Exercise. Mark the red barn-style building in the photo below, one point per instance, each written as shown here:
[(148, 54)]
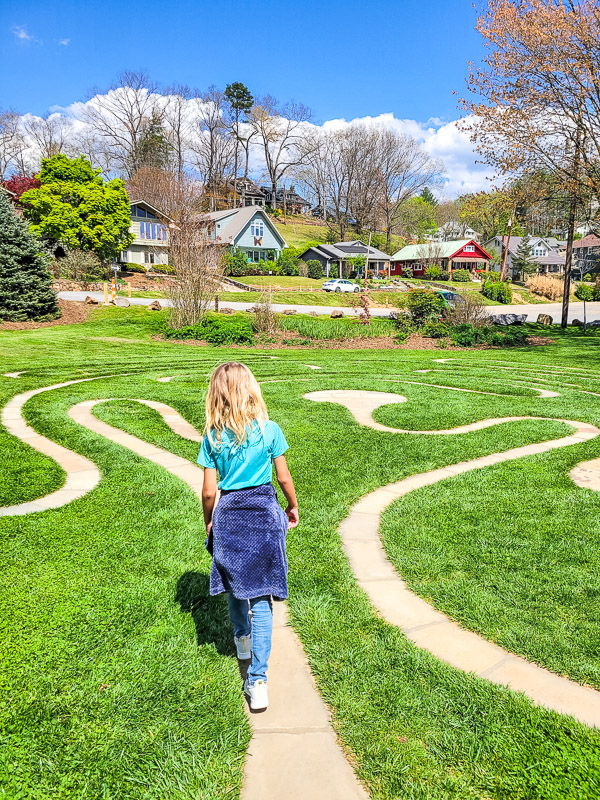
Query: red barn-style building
[(458, 254)]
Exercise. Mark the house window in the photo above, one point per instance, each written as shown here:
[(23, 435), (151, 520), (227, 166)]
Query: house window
[(470, 248), (148, 258), (256, 256), (257, 228), (124, 256), (141, 212)]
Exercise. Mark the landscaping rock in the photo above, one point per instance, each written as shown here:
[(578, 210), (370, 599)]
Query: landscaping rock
[(577, 323), (509, 319), (91, 301), (312, 314), (594, 323), (289, 311), (227, 310), (155, 306), (544, 319), (393, 315), (122, 302), (336, 313)]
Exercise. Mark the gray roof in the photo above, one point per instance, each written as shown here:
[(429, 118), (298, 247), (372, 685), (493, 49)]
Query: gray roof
[(344, 250), (551, 258), (515, 241), (239, 218)]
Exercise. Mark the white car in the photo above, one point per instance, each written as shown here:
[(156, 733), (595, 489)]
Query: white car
[(340, 285)]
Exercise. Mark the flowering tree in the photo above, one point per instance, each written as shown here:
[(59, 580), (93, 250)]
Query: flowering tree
[(536, 98)]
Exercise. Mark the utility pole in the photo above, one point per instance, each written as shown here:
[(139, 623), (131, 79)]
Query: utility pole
[(367, 261)]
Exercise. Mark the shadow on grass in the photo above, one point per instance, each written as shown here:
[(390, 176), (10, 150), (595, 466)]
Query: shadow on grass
[(209, 613)]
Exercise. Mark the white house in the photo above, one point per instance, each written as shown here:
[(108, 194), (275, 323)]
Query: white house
[(150, 229), (545, 252)]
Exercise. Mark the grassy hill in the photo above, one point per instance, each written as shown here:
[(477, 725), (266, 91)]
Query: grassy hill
[(300, 231)]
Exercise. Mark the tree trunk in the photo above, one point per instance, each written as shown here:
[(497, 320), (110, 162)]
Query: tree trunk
[(568, 261), (273, 195)]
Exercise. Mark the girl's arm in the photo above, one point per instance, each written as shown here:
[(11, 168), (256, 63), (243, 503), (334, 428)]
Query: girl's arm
[(209, 495), (284, 479)]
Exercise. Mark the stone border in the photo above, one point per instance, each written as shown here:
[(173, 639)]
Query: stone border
[(422, 624)]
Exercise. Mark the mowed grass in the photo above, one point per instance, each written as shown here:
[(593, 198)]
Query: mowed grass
[(118, 676), (282, 281)]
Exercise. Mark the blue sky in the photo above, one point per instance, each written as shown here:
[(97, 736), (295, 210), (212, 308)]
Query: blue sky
[(343, 59)]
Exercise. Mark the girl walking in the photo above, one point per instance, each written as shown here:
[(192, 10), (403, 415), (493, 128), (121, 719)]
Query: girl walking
[(247, 529)]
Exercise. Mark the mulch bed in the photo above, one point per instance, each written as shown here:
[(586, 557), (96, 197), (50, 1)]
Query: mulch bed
[(414, 342), (71, 313)]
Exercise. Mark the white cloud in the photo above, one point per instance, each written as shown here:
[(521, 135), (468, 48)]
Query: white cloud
[(64, 42), (22, 34)]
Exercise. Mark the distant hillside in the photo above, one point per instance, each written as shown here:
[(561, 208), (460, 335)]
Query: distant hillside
[(300, 231)]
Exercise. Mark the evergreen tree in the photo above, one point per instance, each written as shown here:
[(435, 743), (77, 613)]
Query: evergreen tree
[(25, 282), (522, 262)]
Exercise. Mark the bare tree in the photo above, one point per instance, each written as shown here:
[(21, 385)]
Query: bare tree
[(175, 195), (212, 147), (120, 118), (198, 265), (179, 122), (279, 131), (51, 134), (13, 145)]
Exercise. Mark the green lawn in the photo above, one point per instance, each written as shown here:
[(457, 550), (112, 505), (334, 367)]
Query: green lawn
[(282, 281), (118, 676)]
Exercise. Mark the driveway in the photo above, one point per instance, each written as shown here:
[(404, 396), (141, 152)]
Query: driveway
[(532, 311)]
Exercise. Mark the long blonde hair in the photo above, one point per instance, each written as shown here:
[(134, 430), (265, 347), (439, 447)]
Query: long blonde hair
[(234, 401)]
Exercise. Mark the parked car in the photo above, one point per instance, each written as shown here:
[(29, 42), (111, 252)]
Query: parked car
[(340, 285), (452, 298)]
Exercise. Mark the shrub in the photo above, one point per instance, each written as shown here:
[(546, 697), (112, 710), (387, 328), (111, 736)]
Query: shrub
[(83, 265), (315, 269), (514, 337), (470, 312), (596, 289), (403, 323), (587, 277), (435, 330), (162, 269), (235, 263), (461, 276), (433, 273), (492, 276), (303, 269), (287, 265), (134, 268), (464, 336), (497, 291), (216, 330), (401, 336), (265, 319), (424, 305), (444, 275), (407, 272)]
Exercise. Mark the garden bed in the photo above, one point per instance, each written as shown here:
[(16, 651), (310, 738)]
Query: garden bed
[(71, 314)]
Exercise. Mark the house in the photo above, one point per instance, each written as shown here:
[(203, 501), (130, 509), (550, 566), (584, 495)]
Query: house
[(457, 254), (150, 229), (546, 253), (334, 257), (235, 194), (586, 255), (287, 199), (453, 230), (249, 229)]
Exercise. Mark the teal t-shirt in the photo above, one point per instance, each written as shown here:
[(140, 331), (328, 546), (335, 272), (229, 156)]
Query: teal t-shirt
[(248, 464)]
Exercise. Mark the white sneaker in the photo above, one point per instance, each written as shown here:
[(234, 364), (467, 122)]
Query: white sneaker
[(243, 646), (257, 692)]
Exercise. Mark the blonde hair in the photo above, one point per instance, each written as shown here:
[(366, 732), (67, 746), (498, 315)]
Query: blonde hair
[(234, 401)]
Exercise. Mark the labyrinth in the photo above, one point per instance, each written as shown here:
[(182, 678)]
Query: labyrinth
[(441, 639)]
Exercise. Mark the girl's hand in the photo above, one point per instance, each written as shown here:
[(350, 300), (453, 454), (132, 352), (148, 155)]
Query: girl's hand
[(209, 528), (292, 515)]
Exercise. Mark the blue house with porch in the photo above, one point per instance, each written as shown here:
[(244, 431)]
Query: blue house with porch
[(248, 229)]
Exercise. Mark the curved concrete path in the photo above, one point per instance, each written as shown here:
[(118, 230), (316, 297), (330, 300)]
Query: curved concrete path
[(293, 752), (422, 624), (82, 474)]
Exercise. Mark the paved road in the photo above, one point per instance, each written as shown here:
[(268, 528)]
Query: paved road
[(532, 311)]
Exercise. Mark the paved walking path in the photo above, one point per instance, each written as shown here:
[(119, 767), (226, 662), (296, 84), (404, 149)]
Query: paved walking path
[(532, 310), (293, 752), (422, 624)]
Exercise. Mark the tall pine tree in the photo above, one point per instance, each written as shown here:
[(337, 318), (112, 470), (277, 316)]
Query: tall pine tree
[(25, 282), (522, 262)]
